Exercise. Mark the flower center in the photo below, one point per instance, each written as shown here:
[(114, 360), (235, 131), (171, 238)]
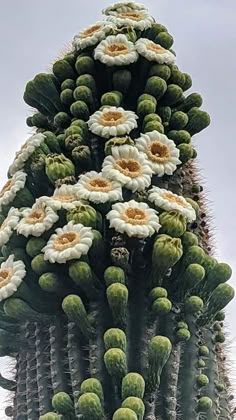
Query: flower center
[(158, 152), (116, 49), (135, 216), (174, 199), (5, 277), (90, 31), (66, 240), (129, 167), (99, 184), (112, 118), (35, 217), (156, 48), (6, 187), (64, 198), (131, 15)]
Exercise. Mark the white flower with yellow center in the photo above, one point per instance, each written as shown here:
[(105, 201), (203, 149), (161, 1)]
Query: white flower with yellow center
[(68, 243), (36, 220), (11, 276), (123, 6), (138, 19), (161, 152), (94, 187), (12, 187), (166, 200), (65, 197), (112, 122), (8, 225), (129, 167), (116, 50), (25, 152), (92, 35), (154, 52), (134, 219)]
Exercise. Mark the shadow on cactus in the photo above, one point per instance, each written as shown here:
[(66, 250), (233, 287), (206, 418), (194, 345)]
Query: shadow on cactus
[(111, 300)]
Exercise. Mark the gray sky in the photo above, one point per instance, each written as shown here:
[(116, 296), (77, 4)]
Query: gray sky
[(34, 33)]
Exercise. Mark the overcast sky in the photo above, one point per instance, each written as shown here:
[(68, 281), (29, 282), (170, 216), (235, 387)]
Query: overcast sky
[(34, 33)]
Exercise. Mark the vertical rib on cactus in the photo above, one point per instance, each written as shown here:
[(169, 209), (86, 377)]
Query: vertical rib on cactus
[(43, 368), (20, 408), (31, 373)]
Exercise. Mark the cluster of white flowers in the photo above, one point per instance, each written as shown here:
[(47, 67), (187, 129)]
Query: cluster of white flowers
[(12, 188), (25, 152)]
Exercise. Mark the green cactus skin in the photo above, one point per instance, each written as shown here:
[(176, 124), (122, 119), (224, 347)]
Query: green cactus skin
[(43, 369), (133, 330), (7, 384)]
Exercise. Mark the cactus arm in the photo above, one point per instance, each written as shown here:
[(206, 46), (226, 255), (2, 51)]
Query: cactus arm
[(43, 369), (58, 366), (31, 374)]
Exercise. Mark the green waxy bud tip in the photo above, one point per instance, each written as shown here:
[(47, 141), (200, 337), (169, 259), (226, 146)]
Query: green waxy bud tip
[(193, 304), (158, 292), (115, 338), (161, 306), (202, 380), (50, 416), (114, 275), (133, 385), (135, 404), (204, 351), (204, 404), (92, 385), (124, 414), (90, 406), (62, 403), (182, 324), (116, 364), (183, 334)]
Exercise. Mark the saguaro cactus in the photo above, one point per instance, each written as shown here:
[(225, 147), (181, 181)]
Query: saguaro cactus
[(111, 298)]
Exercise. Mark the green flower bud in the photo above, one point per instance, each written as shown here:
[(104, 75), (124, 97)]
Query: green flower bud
[(194, 204), (186, 152), (189, 239), (34, 246), (193, 255), (173, 94), (204, 405), (84, 93), (159, 350), (161, 70), (202, 380), (220, 273), (193, 275), (79, 109), (203, 351), (220, 316), (49, 282), (161, 306), (81, 125), (117, 141), (165, 40), (220, 337), (178, 120), (200, 364), (63, 403), (216, 326), (147, 97), (68, 84), (114, 98), (145, 107), (117, 296), (62, 120), (73, 141), (39, 265), (84, 214), (121, 80), (158, 292), (93, 385), (116, 363), (114, 274), (115, 338), (183, 334), (167, 251), (74, 308), (50, 416), (58, 167), (209, 263), (97, 250), (193, 305), (151, 118), (74, 130), (220, 387), (81, 155), (156, 86), (90, 407), (81, 273), (153, 125), (21, 311), (135, 404), (124, 414), (173, 223), (87, 80), (219, 299), (198, 122), (84, 65), (182, 324), (61, 140), (177, 77), (165, 113), (179, 136), (133, 385)]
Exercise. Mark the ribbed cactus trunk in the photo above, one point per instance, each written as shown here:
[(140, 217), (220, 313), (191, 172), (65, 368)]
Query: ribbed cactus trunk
[(111, 299)]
